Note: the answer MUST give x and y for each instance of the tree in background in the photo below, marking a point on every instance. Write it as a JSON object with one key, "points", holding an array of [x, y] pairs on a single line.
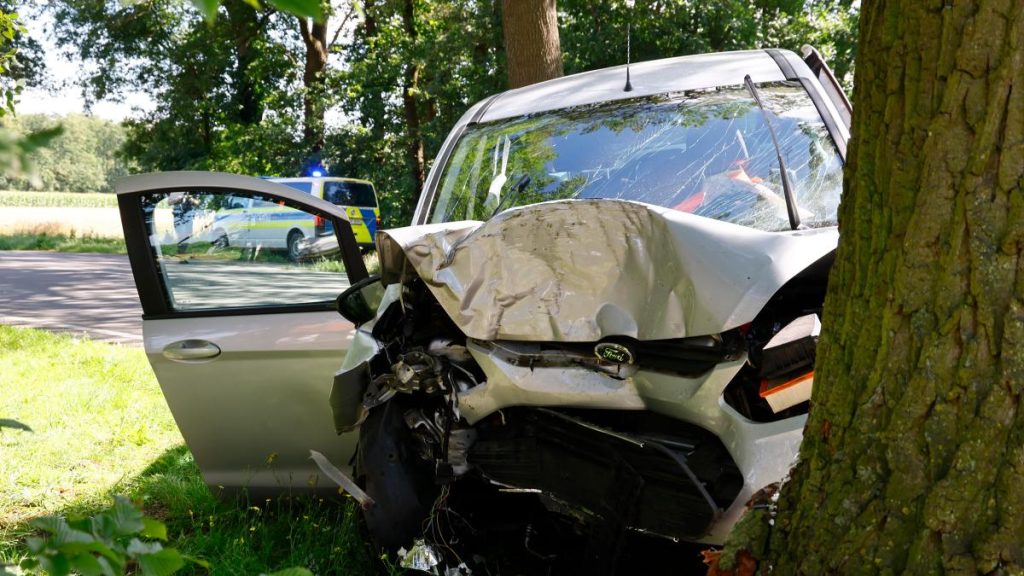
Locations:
{"points": [[246, 91], [227, 94], [16, 71], [320, 37], [413, 68], [531, 41], [593, 32], [83, 158]]}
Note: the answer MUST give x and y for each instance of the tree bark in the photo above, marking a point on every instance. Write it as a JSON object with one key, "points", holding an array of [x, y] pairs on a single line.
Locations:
{"points": [[410, 105], [245, 27], [913, 456], [314, 36], [318, 41], [531, 41]]}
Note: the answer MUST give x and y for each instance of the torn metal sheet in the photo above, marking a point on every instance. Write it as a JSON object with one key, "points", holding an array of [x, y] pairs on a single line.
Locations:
{"points": [[584, 270]]}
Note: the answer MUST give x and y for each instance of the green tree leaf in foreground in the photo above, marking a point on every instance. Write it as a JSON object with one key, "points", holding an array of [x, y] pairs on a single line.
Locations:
{"points": [[108, 543], [304, 8], [14, 424]]}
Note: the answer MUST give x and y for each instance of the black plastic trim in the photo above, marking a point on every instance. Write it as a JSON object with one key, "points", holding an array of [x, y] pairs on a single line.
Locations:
{"points": [[151, 291], [830, 122], [325, 306], [826, 116], [828, 81], [783, 63], [156, 303]]}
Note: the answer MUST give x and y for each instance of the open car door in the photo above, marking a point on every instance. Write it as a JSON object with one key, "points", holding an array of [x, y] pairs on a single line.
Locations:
{"points": [[239, 319]]}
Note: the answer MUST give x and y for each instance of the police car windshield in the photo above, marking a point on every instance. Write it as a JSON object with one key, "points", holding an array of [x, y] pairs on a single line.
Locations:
{"points": [[707, 152]]}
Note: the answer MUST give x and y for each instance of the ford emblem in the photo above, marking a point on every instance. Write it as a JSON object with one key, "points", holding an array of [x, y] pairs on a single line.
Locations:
{"points": [[612, 352]]}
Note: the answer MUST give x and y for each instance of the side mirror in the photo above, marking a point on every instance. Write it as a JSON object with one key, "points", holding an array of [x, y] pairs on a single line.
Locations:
{"points": [[359, 303]]}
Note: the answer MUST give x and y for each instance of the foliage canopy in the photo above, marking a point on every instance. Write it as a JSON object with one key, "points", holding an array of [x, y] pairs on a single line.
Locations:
{"points": [[232, 83]]}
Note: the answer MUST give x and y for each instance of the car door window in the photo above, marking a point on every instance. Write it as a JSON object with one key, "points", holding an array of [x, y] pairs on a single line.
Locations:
{"points": [[217, 250]]}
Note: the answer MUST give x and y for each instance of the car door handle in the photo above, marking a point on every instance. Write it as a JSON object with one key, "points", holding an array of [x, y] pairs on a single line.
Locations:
{"points": [[191, 350]]}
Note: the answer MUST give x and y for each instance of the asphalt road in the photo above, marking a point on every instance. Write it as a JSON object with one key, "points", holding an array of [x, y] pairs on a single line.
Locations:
{"points": [[89, 294]]}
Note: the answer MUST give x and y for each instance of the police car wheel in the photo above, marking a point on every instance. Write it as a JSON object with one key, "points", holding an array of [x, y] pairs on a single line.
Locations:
{"points": [[293, 245], [220, 240]]}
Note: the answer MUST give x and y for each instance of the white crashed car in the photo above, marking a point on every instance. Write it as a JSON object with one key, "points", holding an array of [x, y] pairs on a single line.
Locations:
{"points": [[605, 310]]}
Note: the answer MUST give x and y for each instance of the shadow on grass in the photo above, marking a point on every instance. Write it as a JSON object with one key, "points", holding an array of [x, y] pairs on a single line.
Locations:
{"points": [[237, 535]]}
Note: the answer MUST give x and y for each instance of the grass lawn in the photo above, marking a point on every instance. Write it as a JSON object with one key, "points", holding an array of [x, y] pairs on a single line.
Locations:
{"points": [[62, 243], [100, 427]]}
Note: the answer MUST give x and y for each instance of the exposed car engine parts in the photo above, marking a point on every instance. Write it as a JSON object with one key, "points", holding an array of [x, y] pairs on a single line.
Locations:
{"points": [[607, 474]]}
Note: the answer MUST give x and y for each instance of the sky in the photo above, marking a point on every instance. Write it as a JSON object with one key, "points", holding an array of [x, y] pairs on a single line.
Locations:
{"points": [[68, 99]]}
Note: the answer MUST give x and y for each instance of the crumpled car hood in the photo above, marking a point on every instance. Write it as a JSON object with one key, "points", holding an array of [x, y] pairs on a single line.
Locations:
{"points": [[584, 270]]}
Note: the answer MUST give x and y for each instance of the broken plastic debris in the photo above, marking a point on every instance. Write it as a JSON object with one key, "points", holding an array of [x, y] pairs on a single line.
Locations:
{"points": [[460, 570], [342, 480], [421, 557]]}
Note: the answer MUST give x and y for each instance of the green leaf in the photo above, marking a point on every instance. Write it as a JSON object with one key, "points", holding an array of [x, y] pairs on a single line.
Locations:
{"points": [[63, 534], [163, 563], [308, 8], [35, 545], [87, 565], [293, 571], [153, 529], [208, 8], [197, 561], [127, 518], [7, 423], [139, 548], [56, 565], [254, 3]]}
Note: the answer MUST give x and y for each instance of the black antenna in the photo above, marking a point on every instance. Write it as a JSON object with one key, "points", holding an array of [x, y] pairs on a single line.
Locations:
{"points": [[629, 87]]}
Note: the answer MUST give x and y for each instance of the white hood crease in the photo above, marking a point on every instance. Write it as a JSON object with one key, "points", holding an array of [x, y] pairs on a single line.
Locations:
{"points": [[584, 270]]}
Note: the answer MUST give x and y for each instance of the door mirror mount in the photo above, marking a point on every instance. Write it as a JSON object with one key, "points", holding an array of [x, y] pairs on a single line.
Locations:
{"points": [[358, 304]]}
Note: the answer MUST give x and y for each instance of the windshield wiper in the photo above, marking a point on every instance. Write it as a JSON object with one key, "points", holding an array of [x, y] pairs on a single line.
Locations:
{"points": [[512, 195], [787, 187]]}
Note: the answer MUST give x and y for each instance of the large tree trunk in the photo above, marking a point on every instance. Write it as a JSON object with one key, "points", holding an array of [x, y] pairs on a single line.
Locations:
{"points": [[246, 26], [314, 36], [410, 105], [913, 457], [531, 41]]}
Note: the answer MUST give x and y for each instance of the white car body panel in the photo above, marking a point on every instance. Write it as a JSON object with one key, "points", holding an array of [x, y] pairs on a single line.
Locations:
{"points": [[277, 373], [252, 409], [561, 272]]}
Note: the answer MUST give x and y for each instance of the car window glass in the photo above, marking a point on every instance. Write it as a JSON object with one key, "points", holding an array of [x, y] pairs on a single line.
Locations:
{"points": [[345, 193], [219, 251], [707, 152], [306, 187]]}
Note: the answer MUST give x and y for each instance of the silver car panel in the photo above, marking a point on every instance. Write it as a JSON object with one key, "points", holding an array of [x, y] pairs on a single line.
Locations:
{"points": [[247, 383], [583, 270]]}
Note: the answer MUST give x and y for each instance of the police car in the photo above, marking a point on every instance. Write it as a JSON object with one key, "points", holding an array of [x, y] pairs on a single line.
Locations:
{"points": [[248, 222], [358, 198]]}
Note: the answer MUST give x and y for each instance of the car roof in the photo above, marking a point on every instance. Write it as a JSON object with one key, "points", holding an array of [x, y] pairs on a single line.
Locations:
{"points": [[653, 77], [320, 179], [178, 180]]}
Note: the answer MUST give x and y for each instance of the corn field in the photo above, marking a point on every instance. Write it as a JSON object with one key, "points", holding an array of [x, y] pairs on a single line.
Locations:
{"points": [[15, 199]]}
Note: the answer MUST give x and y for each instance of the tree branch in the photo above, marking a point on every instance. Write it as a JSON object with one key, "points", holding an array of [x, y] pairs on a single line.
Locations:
{"points": [[344, 22], [307, 36]]}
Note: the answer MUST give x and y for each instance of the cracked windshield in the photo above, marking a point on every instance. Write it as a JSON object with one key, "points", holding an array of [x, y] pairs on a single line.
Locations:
{"points": [[223, 250], [705, 152]]}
